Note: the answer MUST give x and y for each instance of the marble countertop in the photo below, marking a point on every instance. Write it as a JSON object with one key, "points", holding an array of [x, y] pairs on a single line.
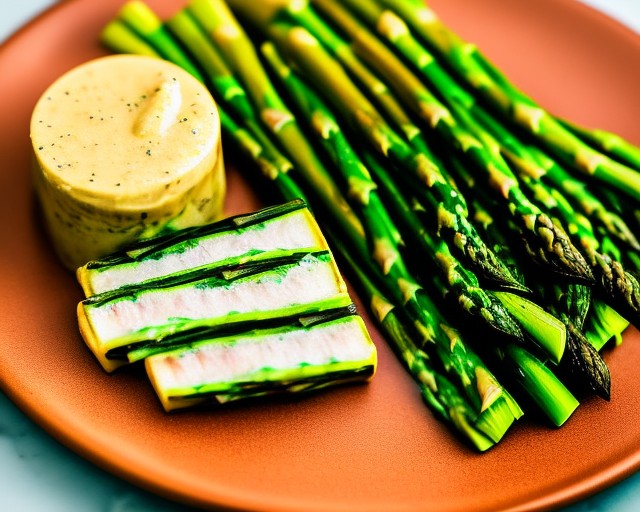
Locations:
{"points": [[40, 475]]}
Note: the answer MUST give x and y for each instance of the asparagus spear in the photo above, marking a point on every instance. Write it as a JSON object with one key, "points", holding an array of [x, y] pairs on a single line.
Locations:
{"points": [[261, 157], [375, 88], [117, 36], [602, 324], [539, 382], [319, 66], [533, 161], [581, 365], [609, 143], [360, 188], [437, 390], [378, 224], [222, 82], [481, 76], [241, 57], [535, 380], [619, 287], [477, 147], [143, 21]]}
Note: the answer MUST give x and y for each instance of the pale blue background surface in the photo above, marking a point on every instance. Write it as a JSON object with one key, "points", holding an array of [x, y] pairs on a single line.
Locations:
{"points": [[39, 475]]}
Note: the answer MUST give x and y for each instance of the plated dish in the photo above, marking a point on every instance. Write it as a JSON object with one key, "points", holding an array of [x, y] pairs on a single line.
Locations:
{"points": [[374, 447]]}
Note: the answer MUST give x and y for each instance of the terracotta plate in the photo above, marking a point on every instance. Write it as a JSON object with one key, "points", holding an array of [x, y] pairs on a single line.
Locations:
{"points": [[361, 448]]}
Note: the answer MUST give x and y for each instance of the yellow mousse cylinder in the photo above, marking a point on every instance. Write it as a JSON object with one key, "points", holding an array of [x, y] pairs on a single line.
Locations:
{"points": [[125, 147]]}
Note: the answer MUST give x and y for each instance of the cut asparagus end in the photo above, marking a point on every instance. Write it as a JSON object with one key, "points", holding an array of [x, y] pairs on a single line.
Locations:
{"points": [[545, 389], [140, 18], [494, 421], [117, 36], [546, 329], [469, 431], [272, 361], [602, 324]]}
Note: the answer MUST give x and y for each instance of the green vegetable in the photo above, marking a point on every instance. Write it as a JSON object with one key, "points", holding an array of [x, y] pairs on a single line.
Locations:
{"points": [[382, 235], [440, 185], [319, 66], [482, 427], [539, 382], [287, 359], [484, 78], [477, 148], [247, 237], [283, 284], [609, 143], [142, 20]]}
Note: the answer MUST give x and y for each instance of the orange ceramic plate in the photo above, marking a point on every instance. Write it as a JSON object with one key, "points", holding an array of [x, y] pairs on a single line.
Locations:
{"points": [[359, 448]]}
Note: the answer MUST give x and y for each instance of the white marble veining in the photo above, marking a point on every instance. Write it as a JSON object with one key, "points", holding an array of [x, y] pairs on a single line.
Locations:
{"points": [[37, 474]]}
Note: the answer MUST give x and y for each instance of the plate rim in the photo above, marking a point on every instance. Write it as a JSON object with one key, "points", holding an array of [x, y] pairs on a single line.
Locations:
{"points": [[567, 495]]}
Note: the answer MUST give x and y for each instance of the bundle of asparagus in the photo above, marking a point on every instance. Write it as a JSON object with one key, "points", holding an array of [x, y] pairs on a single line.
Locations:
{"points": [[444, 188]]}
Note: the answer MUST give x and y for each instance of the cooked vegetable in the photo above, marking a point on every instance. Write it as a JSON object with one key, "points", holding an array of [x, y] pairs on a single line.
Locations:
{"points": [[403, 139], [283, 284], [483, 424], [476, 146], [361, 188], [483, 77], [232, 240], [287, 359]]}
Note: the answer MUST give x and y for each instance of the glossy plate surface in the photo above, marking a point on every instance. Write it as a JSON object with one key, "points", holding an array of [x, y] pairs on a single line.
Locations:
{"points": [[362, 448]]}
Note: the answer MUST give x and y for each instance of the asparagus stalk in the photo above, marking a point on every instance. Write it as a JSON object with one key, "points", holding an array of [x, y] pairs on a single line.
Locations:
{"points": [[533, 161], [319, 66], [547, 331], [118, 37], [261, 157], [481, 76], [603, 324], [545, 390], [379, 226], [375, 88], [619, 287], [580, 366], [240, 55], [477, 147], [222, 82], [539, 383], [360, 188], [609, 143], [482, 428], [535, 380], [143, 21]]}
